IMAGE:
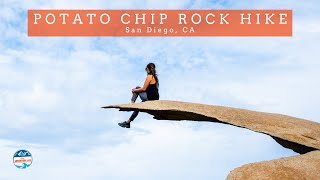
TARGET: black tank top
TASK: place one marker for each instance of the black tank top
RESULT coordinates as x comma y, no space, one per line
152,92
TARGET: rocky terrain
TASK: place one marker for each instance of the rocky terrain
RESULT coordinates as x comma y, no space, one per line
300,135
304,166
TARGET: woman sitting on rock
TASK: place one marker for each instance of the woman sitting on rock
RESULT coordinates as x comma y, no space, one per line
148,92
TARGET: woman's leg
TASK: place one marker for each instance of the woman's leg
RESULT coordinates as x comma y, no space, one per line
134,96
143,97
133,116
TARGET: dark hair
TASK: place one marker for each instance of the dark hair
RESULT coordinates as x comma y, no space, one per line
152,70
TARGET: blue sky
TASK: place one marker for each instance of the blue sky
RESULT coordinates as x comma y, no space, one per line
52,88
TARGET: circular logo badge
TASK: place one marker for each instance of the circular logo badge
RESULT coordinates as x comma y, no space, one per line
22,159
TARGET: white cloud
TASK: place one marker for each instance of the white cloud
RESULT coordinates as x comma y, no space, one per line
163,150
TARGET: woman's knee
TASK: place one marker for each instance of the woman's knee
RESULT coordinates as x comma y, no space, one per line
138,87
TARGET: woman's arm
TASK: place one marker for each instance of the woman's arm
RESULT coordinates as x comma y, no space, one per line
145,85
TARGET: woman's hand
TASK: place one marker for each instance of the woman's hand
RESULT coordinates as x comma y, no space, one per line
145,85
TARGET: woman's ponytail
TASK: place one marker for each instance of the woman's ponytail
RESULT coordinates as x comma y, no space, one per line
152,69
